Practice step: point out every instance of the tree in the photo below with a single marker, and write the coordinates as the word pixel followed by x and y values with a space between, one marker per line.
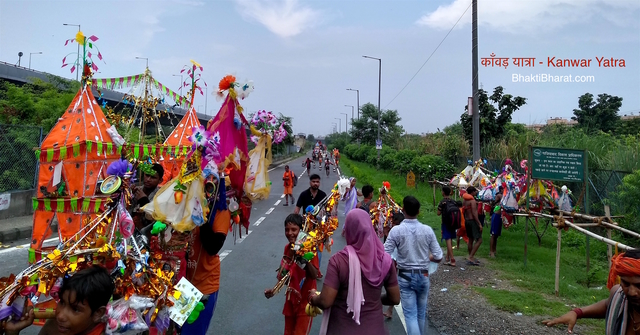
pixel 311 138
pixel 495 114
pixel 366 128
pixel 290 139
pixel 38 103
pixel 598 115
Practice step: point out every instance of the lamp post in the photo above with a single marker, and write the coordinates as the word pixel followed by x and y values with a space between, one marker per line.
pixel 340 122
pixel 146 59
pixel 346 123
pixel 77 59
pixel 335 125
pixel 358 92
pixel 33 53
pixel 181 82
pixel 379 85
pixel 206 98
pixel 351 114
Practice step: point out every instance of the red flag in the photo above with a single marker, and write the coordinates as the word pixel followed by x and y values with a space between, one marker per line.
pixel 99 55
pixel 233 149
pixel 93 38
pixel 89 54
pixel 182 71
pixel 73 68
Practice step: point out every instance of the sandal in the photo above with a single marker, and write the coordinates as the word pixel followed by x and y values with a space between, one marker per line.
pixel 285 205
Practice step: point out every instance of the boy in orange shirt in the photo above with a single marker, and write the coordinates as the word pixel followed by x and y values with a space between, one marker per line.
pixel 303 280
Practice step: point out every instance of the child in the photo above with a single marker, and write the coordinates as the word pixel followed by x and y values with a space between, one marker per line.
pixel 397 219
pixel 448 233
pixel 303 280
pixel 82 307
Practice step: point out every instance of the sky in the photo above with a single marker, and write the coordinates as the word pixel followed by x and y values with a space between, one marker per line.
pixel 303 55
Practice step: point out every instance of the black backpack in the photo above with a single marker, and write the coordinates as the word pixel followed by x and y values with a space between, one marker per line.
pixel 452 215
pixel 295 180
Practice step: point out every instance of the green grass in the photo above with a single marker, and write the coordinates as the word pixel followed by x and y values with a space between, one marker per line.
pixel 534 283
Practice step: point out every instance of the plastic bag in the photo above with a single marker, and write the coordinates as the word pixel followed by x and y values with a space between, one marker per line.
pixel 509 203
pixel 564 201
pixel 125 316
pixel 487 194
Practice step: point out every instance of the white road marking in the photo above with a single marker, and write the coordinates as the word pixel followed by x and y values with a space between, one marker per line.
pixel 27 245
pixel 398 309
pixel 224 254
pixel 270 210
pixel 243 237
pixel 259 221
pixel 277 203
pixel 282 196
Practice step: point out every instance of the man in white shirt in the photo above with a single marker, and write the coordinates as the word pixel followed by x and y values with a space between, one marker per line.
pixel 414 242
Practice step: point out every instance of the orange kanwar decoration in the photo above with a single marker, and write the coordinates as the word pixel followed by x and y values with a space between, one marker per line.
pixel 179 137
pixel 78 149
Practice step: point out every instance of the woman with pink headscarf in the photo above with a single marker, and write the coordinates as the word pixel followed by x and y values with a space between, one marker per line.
pixel 351 295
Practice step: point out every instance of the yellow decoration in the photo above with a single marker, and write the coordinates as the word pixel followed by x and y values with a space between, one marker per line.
pixel 80 37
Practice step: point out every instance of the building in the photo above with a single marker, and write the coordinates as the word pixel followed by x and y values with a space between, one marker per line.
pixel 550 121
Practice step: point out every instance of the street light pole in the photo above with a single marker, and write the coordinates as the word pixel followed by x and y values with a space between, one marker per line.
pixel 181 82
pixel 33 53
pixel 346 122
pixel 379 87
pixel 335 125
pixel 351 114
pixel 206 98
pixel 77 59
pixel 474 69
pixel 340 122
pixel 147 59
pixel 358 93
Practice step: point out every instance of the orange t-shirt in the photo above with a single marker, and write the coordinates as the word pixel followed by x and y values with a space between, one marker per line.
pixel 288 178
pixel 203 270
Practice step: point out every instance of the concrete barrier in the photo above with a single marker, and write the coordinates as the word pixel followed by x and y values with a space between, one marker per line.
pixel 17 203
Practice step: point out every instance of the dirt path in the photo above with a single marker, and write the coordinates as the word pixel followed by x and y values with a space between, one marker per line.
pixel 461 310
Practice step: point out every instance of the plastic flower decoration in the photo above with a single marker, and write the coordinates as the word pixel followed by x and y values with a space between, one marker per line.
pixel 267 123
pixel 280 134
pixel 200 136
pixel 229 83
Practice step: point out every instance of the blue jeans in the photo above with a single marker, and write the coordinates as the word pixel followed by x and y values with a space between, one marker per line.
pixel 414 296
pixel 201 325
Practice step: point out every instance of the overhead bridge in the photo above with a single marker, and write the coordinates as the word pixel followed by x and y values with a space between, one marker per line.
pixel 21 75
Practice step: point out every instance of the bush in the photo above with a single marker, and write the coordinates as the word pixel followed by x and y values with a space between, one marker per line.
pixel 387 157
pixel 430 167
pixel 350 150
pixel 403 160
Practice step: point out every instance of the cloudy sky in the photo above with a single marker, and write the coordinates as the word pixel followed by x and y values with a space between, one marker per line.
pixel 303 55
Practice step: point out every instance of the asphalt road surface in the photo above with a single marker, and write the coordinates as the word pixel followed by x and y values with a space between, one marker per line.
pixel 248 265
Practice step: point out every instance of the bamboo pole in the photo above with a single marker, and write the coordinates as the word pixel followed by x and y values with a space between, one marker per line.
pixel 584 231
pixel 607 213
pixel 624 230
pixel 598 237
pixel 558 262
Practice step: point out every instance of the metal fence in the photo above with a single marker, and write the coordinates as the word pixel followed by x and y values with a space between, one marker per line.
pixel 18 162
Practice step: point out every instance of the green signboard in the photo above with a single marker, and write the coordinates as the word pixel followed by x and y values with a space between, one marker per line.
pixel 558 164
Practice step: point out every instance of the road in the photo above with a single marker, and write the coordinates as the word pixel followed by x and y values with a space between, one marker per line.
pixel 249 266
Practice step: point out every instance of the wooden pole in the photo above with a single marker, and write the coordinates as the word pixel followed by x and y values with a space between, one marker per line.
pixel 558 262
pixel 434 194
